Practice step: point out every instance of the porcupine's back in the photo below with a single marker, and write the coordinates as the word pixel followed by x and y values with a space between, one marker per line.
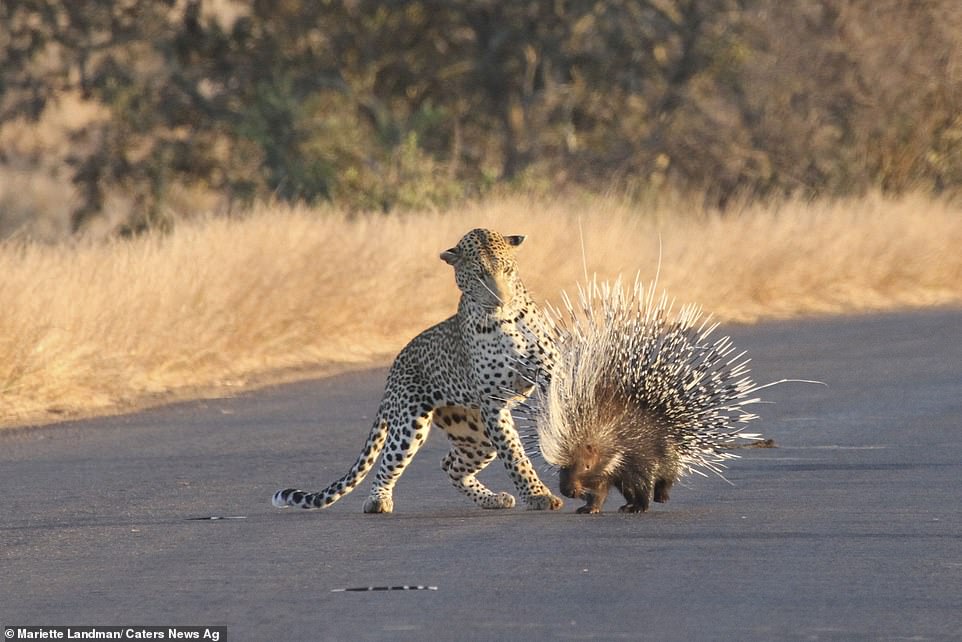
pixel 639 392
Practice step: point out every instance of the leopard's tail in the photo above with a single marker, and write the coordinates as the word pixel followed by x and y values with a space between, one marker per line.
pixel 344 485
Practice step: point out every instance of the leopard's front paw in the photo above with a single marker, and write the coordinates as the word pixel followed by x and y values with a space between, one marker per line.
pixel 544 502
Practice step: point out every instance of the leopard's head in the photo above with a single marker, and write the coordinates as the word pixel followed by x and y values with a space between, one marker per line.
pixel 485 269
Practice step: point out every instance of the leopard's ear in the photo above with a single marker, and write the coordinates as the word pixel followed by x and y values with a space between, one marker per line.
pixel 515 240
pixel 450 256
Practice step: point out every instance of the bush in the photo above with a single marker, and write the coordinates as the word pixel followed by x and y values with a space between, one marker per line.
pixel 384 106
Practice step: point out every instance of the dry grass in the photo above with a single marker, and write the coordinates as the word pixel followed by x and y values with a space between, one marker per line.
pixel 94 327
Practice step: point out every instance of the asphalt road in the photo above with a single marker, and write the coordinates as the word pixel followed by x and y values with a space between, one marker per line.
pixel 850 529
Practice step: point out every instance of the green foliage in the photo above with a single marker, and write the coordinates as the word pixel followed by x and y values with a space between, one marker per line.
pixel 417 104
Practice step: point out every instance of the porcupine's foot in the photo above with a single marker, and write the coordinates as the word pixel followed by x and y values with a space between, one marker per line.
pixel 632 508
pixel 543 502
pixel 662 486
pixel 595 499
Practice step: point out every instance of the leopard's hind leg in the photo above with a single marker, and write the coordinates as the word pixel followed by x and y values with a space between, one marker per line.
pixel 407 435
pixel 470 453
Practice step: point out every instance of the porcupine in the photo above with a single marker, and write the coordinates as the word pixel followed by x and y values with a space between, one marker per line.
pixel 640 397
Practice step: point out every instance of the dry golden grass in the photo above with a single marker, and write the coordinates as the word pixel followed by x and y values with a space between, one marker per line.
pixel 96 327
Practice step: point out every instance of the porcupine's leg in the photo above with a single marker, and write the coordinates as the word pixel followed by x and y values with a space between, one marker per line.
pixel 662 486
pixel 470 453
pixel 637 494
pixel 595 499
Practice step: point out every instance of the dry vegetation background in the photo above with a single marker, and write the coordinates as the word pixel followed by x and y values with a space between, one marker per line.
pixel 198 196
pixel 222 302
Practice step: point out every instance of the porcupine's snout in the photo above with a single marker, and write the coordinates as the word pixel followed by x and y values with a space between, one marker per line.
pixel 570 486
pixel 582 476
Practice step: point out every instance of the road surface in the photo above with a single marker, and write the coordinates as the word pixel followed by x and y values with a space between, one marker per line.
pixel 850 528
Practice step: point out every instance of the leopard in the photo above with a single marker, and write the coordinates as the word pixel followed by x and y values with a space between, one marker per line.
pixel 464 376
